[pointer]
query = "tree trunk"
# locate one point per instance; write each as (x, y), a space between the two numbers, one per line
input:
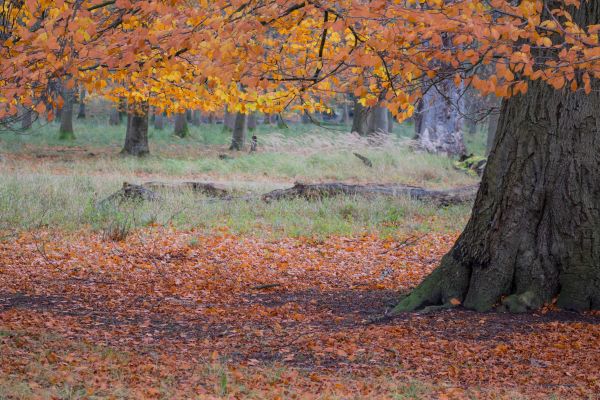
(306, 117)
(439, 126)
(535, 229)
(228, 120)
(159, 121)
(196, 117)
(114, 117)
(65, 131)
(359, 121)
(238, 138)
(252, 122)
(26, 119)
(211, 118)
(390, 122)
(136, 138)
(81, 113)
(378, 121)
(181, 125)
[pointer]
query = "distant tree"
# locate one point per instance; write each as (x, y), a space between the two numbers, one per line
(181, 125)
(238, 138)
(136, 137)
(65, 131)
(81, 101)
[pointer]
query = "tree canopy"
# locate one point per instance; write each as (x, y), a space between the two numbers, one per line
(269, 55)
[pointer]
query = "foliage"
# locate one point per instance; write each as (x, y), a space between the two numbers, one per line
(182, 314)
(258, 55)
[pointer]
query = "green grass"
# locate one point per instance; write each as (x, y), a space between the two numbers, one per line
(70, 203)
(48, 182)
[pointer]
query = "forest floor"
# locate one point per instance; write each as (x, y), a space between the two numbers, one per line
(188, 298)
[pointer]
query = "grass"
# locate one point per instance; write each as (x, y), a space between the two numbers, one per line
(48, 182)
(70, 202)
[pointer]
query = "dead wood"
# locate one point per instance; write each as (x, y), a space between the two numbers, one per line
(321, 190)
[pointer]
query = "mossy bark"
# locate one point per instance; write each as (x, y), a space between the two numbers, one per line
(535, 229)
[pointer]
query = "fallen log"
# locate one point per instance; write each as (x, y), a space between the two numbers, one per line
(206, 188)
(321, 190)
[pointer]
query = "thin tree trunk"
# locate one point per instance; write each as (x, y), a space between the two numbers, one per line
(252, 122)
(390, 122)
(360, 120)
(211, 118)
(65, 131)
(81, 113)
(238, 138)
(196, 117)
(181, 125)
(306, 117)
(159, 121)
(26, 119)
(439, 128)
(535, 229)
(228, 120)
(136, 137)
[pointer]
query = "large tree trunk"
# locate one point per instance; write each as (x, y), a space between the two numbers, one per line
(238, 138)
(65, 131)
(439, 124)
(360, 123)
(181, 125)
(136, 138)
(535, 229)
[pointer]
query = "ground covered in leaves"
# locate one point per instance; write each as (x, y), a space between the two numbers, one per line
(171, 314)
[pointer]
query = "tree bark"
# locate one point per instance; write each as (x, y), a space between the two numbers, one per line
(228, 120)
(252, 122)
(378, 121)
(26, 119)
(65, 131)
(360, 120)
(535, 229)
(306, 117)
(181, 125)
(238, 138)
(159, 121)
(81, 112)
(196, 117)
(136, 138)
(439, 125)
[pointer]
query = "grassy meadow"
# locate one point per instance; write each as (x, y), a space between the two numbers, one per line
(50, 182)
